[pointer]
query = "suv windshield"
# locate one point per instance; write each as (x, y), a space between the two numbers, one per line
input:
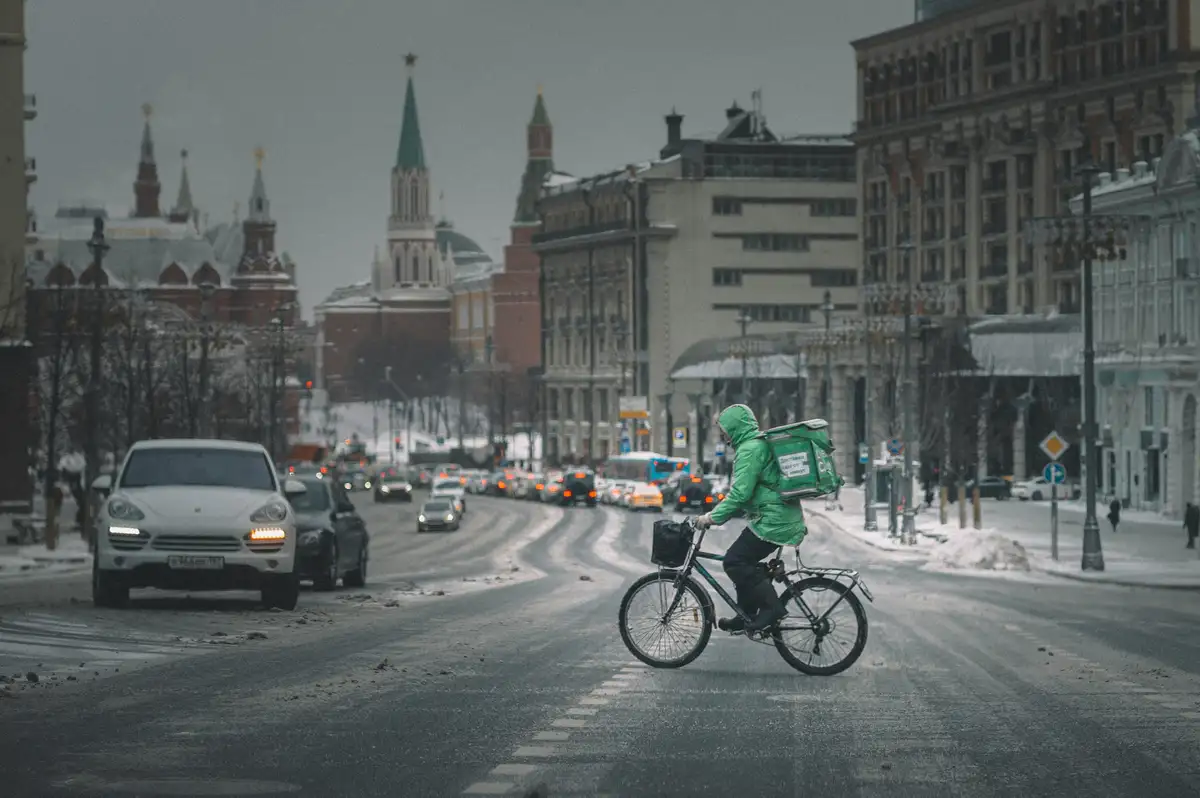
(212, 468)
(447, 484)
(437, 507)
(314, 500)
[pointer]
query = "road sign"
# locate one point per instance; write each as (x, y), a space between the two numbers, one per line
(895, 447)
(719, 450)
(441, 439)
(1055, 473)
(1054, 446)
(864, 453)
(626, 446)
(634, 407)
(680, 436)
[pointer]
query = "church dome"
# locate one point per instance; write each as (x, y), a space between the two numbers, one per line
(465, 250)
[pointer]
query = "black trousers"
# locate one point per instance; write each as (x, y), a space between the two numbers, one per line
(742, 566)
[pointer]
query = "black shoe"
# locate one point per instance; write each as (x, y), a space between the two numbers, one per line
(735, 624)
(773, 610)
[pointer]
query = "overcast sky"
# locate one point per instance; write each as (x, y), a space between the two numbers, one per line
(320, 85)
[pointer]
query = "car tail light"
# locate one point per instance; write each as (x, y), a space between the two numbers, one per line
(567, 494)
(683, 499)
(579, 475)
(708, 499)
(591, 494)
(501, 485)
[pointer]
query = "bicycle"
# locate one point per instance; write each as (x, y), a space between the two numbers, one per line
(675, 580)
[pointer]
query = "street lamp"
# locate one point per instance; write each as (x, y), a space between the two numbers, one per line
(387, 377)
(743, 321)
(98, 247)
(1089, 237)
(827, 391)
(913, 298)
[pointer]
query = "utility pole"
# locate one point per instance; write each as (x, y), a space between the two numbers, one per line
(666, 398)
(870, 523)
(1093, 555)
(206, 293)
(408, 414)
(908, 530)
(98, 247)
(590, 322)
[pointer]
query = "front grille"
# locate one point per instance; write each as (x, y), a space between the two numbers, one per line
(126, 543)
(264, 546)
(196, 543)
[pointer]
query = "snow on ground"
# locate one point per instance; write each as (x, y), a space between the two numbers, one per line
(1142, 553)
(71, 555)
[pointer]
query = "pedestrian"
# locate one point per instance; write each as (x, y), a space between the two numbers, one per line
(1114, 513)
(1191, 522)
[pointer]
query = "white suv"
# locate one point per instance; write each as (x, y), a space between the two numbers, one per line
(197, 515)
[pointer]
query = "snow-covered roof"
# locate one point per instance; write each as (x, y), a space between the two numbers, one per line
(1027, 346)
(561, 183)
(768, 367)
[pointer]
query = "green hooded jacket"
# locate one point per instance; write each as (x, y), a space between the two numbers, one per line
(754, 469)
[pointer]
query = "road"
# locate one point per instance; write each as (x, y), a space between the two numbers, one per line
(424, 684)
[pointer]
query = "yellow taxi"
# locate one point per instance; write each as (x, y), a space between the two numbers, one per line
(646, 497)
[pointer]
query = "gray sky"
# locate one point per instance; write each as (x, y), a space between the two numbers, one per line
(320, 85)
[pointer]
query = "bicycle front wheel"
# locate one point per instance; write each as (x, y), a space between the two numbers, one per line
(837, 637)
(657, 638)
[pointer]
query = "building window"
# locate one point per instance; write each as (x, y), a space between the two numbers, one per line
(794, 314)
(833, 207)
(464, 318)
(727, 277)
(775, 242)
(1148, 401)
(833, 278)
(477, 313)
(726, 206)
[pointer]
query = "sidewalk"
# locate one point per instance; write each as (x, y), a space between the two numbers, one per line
(71, 555)
(1144, 553)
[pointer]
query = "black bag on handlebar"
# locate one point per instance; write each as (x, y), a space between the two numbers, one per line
(670, 544)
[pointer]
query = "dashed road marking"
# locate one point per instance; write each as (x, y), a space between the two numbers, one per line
(614, 685)
(570, 723)
(594, 701)
(535, 750)
(513, 769)
(581, 711)
(552, 736)
(606, 691)
(489, 788)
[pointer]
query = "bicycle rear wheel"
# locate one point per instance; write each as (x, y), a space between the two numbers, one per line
(649, 633)
(842, 634)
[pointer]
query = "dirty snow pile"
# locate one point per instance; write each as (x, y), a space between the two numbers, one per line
(981, 551)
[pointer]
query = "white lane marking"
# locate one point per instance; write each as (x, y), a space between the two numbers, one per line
(510, 555)
(552, 736)
(604, 691)
(604, 549)
(581, 711)
(569, 723)
(512, 769)
(626, 676)
(1012, 627)
(535, 750)
(594, 701)
(613, 685)
(489, 788)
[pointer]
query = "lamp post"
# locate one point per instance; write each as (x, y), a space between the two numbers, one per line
(913, 299)
(207, 290)
(743, 321)
(669, 421)
(408, 416)
(1089, 237)
(98, 246)
(827, 388)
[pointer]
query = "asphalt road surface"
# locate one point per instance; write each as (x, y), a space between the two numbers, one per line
(488, 662)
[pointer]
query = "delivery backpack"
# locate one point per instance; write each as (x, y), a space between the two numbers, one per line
(805, 458)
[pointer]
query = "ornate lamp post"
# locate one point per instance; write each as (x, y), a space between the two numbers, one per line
(1088, 238)
(913, 299)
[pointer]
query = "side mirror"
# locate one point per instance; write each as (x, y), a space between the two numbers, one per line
(102, 482)
(293, 487)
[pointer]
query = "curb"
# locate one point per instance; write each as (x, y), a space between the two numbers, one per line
(864, 540)
(1118, 582)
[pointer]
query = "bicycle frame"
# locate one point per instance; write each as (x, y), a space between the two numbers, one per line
(691, 563)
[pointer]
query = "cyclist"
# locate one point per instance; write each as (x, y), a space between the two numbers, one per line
(772, 521)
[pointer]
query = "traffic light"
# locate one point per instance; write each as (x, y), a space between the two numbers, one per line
(308, 389)
(396, 441)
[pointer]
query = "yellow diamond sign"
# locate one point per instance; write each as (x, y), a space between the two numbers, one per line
(1054, 446)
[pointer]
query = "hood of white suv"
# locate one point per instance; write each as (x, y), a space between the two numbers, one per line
(219, 504)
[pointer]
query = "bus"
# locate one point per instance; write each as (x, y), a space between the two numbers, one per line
(642, 467)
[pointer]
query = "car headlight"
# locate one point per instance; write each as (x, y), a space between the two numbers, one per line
(421, 518)
(408, 486)
(124, 531)
(449, 516)
(366, 484)
(272, 512)
(384, 489)
(119, 509)
(309, 537)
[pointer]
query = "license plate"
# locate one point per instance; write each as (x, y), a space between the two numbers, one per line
(193, 563)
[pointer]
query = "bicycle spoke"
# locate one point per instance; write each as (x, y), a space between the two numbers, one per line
(656, 634)
(831, 638)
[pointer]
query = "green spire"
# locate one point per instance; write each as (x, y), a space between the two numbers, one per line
(411, 153)
(540, 117)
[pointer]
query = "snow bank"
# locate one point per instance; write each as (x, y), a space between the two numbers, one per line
(980, 551)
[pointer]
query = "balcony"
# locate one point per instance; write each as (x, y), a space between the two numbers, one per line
(30, 107)
(30, 170)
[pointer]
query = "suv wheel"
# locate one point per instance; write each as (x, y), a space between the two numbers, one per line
(282, 591)
(327, 579)
(107, 588)
(357, 577)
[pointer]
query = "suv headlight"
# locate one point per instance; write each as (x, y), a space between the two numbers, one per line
(121, 510)
(272, 512)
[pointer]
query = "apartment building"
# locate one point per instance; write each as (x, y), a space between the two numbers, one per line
(974, 119)
(17, 173)
(739, 233)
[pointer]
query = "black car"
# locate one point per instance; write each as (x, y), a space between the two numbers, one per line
(578, 485)
(438, 514)
(393, 485)
(331, 539)
(692, 492)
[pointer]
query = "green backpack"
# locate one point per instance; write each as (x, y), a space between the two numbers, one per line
(804, 455)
